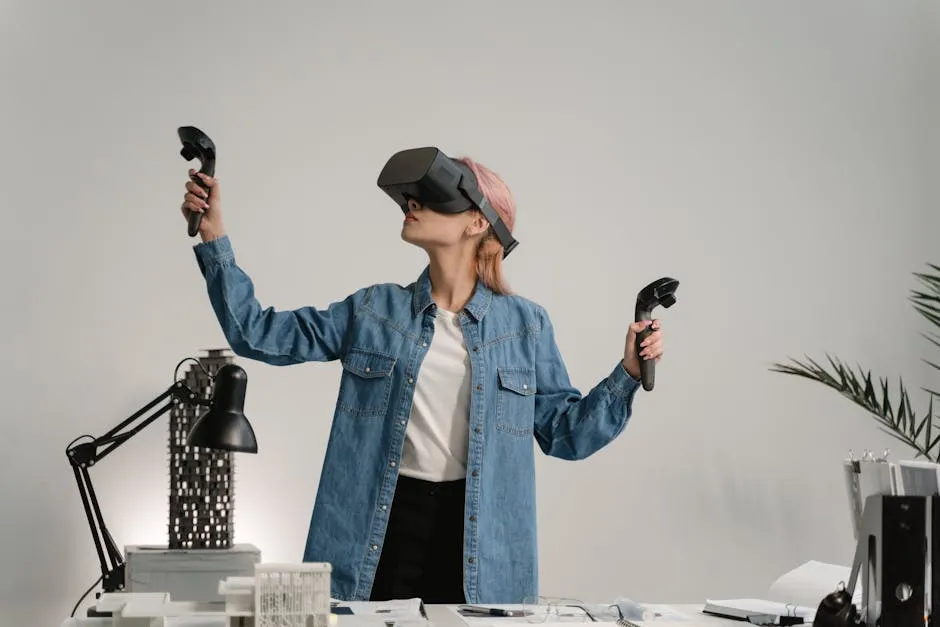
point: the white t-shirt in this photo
(438, 432)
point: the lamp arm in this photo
(83, 455)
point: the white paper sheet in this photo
(809, 583)
(391, 610)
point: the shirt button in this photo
(384, 507)
(470, 559)
(410, 380)
(424, 344)
(479, 387)
(472, 518)
(392, 464)
(478, 430)
(375, 547)
(476, 348)
(525, 387)
(474, 473)
(402, 421)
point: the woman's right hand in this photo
(208, 203)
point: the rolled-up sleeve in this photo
(571, 425)
(263, 333)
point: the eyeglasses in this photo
(563, 610)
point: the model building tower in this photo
(202, 481)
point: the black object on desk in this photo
(837, 610)
(768, 620)
(787, 619)
(891, 565)
(223, 427)
(891, 560)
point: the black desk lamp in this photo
(223, 427)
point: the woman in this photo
(428, 486)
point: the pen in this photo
(494, 611)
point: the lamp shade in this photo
(224, 427)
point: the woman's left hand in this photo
(652, 347)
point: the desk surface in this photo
(444, 616)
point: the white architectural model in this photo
(283, 595)
(279, 595)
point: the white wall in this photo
(779, 158)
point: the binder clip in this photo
(772, 620)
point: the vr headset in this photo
(441, 184)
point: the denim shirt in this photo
(520, 391)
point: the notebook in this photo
(745, 609)
(795, 593)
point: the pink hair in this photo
(490, 254)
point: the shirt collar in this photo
(422, 300)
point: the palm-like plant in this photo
(899, 420)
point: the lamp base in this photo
(93, 613)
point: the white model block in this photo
(112, 601)
(279, 595)
(164, 609)
(116, 603)
(187, 574)
(151, 609)
(239, 594)
(292, 595)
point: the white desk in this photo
(445, 616)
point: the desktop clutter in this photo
(207, 428)
(896, 522)
(894, 580)
(276, 595)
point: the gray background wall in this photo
(779, 158)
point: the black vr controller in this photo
(197, 144)
(659, 292)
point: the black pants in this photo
(422, 555)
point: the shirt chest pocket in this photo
(366, 384)
(515, 401)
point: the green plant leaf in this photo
(900, 437)
(899, 418)
(928, 420)
(931, 314)
(933, 338)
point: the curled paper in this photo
(631, 610)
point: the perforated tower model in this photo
(202, 481)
